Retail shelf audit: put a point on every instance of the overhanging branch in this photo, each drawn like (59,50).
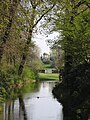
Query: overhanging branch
(79,4)
(42,16)
(82,11)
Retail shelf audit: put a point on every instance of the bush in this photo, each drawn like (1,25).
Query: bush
(11,83)
(29,74)
(8,79)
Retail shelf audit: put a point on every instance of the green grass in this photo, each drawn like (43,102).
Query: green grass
(47,66)
(48,76)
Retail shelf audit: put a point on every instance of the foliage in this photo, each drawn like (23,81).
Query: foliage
(8,81)
(57,57)
(29,74)
(17,27)
(72,21)
(11,83)
(74,93)
(73,24)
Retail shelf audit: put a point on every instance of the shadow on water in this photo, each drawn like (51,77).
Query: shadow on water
(74,107)
(22,109)
(38,104)
(8,110)
(73,114)
(74,93)
(8,113)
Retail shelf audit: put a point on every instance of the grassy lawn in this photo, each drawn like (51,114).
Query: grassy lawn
(48,66)
(48,76)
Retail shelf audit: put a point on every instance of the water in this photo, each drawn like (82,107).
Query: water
(37,105)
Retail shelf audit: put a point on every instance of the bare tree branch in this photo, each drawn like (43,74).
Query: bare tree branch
(88,5)
(42,16)
(82,11)
(79,4)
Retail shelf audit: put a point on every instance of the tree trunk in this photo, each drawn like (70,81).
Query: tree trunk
(32,25)
(22,107)
(25,52)
(20,69)
(27,45)
(4,38)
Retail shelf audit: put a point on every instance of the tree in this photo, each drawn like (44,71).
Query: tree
(35,6)
(20,19)
(72,21)
(57,56)
(8,10)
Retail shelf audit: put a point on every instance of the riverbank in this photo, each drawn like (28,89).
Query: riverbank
(49,76)
(11,83)
(74,93)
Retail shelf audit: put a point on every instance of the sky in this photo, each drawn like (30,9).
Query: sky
(40,40)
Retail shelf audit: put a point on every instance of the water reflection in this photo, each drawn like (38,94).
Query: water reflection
(37,105)
(8,112)
(22,109)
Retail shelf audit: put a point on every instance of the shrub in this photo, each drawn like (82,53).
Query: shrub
(29,74)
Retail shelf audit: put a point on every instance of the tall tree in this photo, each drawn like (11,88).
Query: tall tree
(9,8)
(74,33)
(38,10)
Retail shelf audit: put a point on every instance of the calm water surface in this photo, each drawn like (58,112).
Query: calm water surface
(37,105)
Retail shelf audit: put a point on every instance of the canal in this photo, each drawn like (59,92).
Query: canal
(37,105)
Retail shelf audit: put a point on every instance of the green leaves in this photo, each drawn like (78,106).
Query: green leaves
(73,22)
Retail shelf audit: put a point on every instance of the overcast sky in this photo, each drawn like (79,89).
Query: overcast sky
(40,40)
